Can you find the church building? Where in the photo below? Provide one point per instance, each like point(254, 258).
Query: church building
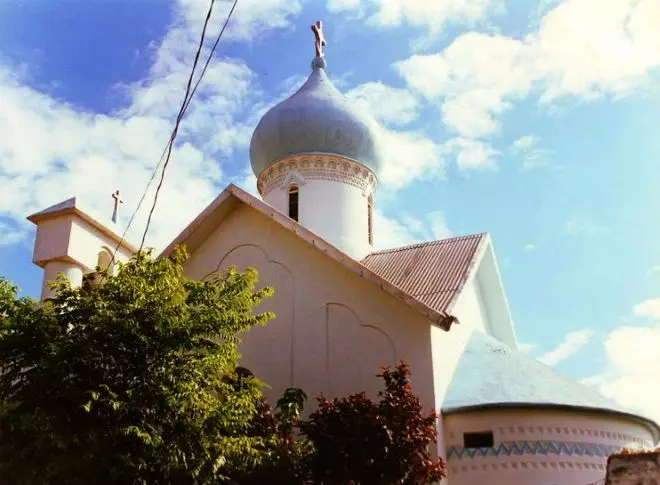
point(344, 309)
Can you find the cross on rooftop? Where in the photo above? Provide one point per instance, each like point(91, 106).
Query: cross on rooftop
point(118, 201)
point(317, 28)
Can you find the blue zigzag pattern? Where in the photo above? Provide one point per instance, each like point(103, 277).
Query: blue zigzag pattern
point(517, 448)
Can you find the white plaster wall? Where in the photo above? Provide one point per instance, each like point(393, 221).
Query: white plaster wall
point(70, 245)
point(335, 211)
point(494, 299)
point(72, 271)
point(52, 239)
point(580, 432)
point(86, 241)
point(333, 329)
point(470, 308)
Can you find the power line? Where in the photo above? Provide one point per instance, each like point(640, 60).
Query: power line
point(168, 147)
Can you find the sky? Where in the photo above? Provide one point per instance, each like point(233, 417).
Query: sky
point(535, 121)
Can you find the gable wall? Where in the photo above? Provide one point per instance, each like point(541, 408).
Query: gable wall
point(332, 331)
point(474, 314)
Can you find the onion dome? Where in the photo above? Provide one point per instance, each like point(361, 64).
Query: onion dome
point(316, 119)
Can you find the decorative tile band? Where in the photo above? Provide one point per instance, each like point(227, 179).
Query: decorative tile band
point(534, 448)
point(320, 167)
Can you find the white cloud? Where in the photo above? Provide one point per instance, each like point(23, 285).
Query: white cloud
point(571, 345)
point(582, 227)
point(472, 154)
point(530, 247)
point(527, 347)
point(433, 16)
point(527, 148)
point(524, 144)
point(653, 270)
point(472, 80)
point(387, 104)
point(631, 376)
point(579, 51)
point(392, 232)
point(9, 234)
point(409, 155)
point(582, 49)
point(51, 150)
point(251, 18)
point(648, 309)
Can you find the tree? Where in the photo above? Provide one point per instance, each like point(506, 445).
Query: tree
point(122, 382)
point(358, 441)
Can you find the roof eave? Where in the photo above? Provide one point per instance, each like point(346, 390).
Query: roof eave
point(451, 410)
point(76, 211)
point(441, 319)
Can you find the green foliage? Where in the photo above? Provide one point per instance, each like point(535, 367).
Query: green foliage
point(358, 441)
point(284, 458)
point(136, 381)
point(123, 382)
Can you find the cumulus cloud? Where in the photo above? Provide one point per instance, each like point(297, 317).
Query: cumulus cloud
point(527, 347)
point(653, 270)
point(527, 148)
point(648, 309)
point(408, 154)
point(573, 342)
point(473, 80)
point(51, 150)
point(432, 16)
point(402, 230)
point(472, 154)
point(579, 51)
point(631, 376)
point(385, 103)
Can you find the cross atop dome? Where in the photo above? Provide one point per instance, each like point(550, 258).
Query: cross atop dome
point(317, 28)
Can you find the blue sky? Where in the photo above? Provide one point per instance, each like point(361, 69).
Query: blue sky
point(533, 120)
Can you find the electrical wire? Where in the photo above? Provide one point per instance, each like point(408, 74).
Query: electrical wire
point(168, 147)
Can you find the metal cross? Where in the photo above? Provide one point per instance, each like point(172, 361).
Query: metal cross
point(317, 28)
point(118, 201)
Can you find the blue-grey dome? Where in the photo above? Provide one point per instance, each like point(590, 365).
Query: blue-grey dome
point(317, 118)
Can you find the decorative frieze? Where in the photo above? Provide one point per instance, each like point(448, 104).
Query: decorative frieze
point(315, 166)
point(534, 448)
point(567, 431)
point(526, 465)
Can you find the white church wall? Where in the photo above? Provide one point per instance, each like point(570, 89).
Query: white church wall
point(470, 309)
point(494, 299)
point(537, 446)
point(70, 245)
point(447, 348)
point(333, 210)
point(52, 239)
point(333, 330)
point(87, 241)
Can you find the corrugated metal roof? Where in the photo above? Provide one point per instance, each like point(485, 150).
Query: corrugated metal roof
point(432, 272)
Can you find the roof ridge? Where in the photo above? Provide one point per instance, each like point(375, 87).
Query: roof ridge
point(427, 243)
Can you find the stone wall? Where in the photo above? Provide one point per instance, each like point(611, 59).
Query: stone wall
point(634, 469)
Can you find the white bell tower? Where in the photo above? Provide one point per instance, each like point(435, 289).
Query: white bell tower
point(72, 242)
point(316, 157)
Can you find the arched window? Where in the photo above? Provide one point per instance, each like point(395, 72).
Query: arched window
point(104, 261)
point(370, 219)
point(293, 202)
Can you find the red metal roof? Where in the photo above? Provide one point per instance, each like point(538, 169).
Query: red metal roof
point(432, 272)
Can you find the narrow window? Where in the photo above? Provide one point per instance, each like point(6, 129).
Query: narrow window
point(370, 220)
point(293, 202)
point(482, 439)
